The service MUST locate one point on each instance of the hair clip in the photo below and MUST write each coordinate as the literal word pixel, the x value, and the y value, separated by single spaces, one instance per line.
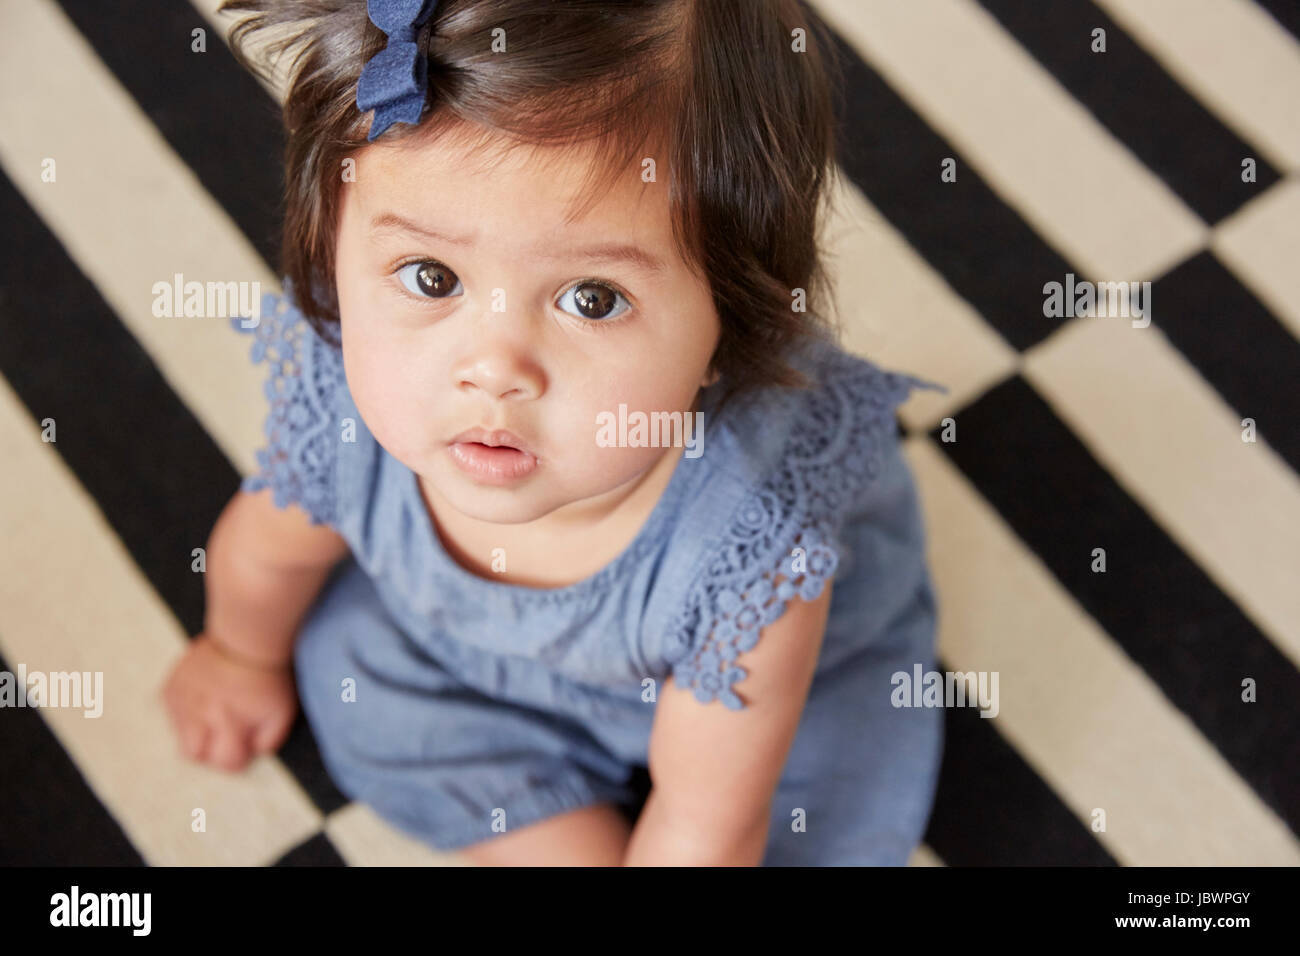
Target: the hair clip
pixel 394 83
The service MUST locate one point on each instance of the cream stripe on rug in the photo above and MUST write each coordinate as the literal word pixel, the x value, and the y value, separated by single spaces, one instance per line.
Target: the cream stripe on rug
pixel 899 312
pixel 1078 186
pixel 131 213
pixel 71 599
pixel 365 839
pixel 1160 429
pixel 1260 243
pixel 1234 57
pixel 1090 722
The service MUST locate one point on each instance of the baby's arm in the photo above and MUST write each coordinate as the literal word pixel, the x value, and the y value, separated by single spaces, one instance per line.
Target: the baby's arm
pixel 265 567
pixel 714 770
pixel 231 695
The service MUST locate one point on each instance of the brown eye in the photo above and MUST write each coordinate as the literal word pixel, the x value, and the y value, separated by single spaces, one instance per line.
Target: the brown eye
pixel 595 301
pixel 429 279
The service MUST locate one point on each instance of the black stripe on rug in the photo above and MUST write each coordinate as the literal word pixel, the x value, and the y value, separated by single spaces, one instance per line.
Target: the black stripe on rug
pixel 235 153
pixel 1249 357
pixel 318 850
pixel 50 815
pixel 1153 600
pixel 1285 12
pixel 992 808
pixel 980 246
pixel 1166 127
pixel 155 474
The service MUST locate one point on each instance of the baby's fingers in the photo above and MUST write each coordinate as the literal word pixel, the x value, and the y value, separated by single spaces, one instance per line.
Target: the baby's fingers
pixel 194 739
pixel 229 749
pixel 269 736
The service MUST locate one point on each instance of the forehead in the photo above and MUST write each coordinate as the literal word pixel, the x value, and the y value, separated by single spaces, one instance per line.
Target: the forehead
pixel 466 180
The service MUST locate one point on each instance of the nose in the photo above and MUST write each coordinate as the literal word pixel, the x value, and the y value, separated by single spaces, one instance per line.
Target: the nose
pixel 500 371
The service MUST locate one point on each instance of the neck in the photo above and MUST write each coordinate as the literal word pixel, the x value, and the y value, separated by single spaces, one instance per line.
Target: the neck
pixel 562 547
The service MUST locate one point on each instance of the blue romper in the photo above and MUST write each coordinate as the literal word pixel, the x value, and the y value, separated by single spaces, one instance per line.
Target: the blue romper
pixel 447 702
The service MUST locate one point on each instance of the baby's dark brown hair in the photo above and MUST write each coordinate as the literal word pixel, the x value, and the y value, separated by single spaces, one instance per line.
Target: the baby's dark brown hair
pixel 731 98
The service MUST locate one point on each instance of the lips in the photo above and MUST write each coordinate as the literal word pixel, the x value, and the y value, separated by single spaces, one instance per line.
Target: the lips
pixel 492 439
pixel 492 457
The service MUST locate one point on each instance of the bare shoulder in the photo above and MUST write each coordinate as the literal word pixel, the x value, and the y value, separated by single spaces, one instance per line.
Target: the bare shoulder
pixel 710 756
pixel 280 537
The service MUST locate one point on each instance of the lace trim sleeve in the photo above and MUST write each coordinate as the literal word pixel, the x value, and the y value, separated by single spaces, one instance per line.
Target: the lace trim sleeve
pixel 779 542
pixel 298 461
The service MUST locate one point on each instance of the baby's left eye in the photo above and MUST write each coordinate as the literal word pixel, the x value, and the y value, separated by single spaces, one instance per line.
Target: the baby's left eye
pixel 594 300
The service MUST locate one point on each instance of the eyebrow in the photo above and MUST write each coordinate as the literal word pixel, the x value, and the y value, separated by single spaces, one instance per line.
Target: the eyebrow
pixel 608 252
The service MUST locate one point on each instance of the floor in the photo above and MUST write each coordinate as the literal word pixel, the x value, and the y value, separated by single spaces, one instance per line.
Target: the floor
pixel 1123 739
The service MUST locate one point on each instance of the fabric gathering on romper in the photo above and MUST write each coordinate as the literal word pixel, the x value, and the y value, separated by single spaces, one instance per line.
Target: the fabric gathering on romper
pixel 473 696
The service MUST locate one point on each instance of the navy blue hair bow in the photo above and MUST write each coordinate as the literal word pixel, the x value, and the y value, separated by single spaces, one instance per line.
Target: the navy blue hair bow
pixel 394 83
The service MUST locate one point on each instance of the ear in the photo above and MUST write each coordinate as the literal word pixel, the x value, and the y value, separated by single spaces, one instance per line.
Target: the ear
pixel 711 377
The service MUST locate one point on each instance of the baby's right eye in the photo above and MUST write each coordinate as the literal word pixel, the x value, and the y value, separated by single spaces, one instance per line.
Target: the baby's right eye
pixel 428 279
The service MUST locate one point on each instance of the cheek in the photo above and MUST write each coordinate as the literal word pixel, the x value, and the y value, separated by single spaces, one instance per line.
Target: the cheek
pixel 656 367
pixel 641 386
pixel 659 370
pixel 379 389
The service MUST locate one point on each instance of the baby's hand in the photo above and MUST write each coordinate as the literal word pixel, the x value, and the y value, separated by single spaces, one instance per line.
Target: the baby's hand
pixel 225 711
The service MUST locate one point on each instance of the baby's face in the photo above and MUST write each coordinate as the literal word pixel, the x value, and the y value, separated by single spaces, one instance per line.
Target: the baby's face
pixel 484 311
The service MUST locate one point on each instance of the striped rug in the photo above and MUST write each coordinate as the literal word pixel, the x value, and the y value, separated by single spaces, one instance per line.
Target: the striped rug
pixel 1122 736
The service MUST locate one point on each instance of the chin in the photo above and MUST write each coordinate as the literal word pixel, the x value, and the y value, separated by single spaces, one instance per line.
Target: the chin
pixel 508 513
pixel 520 502
pixel 496 505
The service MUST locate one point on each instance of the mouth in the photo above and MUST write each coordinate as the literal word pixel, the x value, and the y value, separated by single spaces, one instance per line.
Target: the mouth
pixel 492 457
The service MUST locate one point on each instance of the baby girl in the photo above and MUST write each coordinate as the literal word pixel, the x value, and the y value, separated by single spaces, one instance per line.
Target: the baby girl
pixel 509 225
